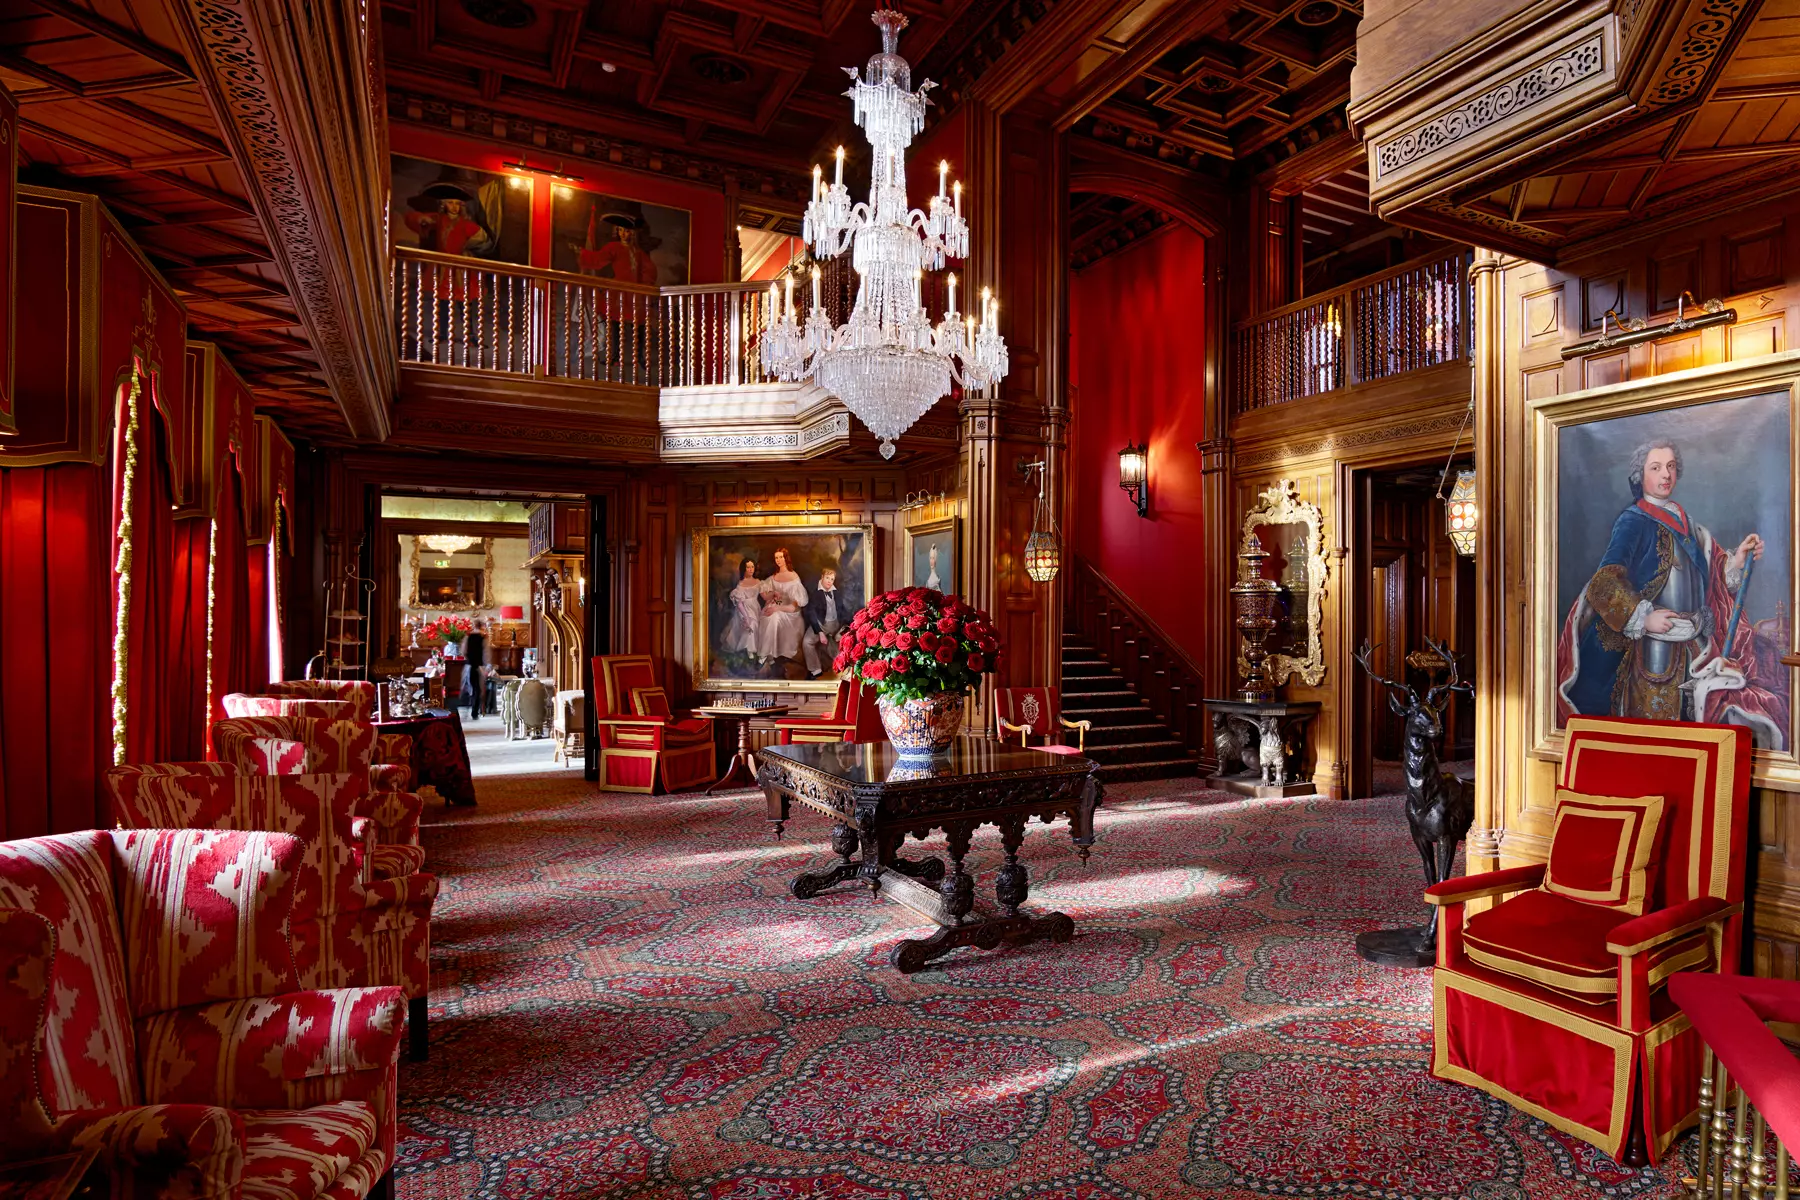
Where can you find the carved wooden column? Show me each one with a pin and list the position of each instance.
(1493, 601)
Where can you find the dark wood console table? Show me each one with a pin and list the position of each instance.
(1261, 745)
(876, 799)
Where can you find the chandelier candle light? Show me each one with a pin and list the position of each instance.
(888, 363)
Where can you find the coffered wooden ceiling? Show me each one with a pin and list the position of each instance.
(108, 104)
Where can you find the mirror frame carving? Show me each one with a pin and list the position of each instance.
(487, 581)
(1280, 504)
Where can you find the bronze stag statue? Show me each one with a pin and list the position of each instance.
(1439, 806)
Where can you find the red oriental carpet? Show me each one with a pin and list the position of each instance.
(627, 1002)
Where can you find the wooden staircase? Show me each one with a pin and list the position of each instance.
(1127, 740)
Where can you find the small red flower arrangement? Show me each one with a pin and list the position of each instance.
(446, 629)
(915, 642)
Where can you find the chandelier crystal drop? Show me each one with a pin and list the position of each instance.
(888, 363)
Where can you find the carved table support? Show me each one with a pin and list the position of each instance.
(1261, 746)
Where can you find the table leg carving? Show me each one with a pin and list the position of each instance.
(870, 866)
(810, 884)
(777, 811)
(958, 887)
(928, 870)
(1011, 886)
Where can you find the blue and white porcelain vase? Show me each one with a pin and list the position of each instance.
(923, 727)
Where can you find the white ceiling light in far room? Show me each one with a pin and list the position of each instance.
(447, 543)
(888, 363)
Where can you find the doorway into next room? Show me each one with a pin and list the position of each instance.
(1413, 586)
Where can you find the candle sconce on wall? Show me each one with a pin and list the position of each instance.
(1134, 476)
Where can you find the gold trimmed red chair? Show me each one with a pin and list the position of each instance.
(643, 744)
(156, 1017)
(352, 925)
(1555, 999)
(853, 718)
(1037, 712)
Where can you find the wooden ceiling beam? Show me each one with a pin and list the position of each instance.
(169, 125)
(188, 158)
(1049, 47)
(1175, 26)
(66, 87)
(119, 36)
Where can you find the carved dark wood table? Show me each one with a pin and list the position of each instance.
(876, 800)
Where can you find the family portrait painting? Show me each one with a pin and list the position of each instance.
(771, 602)
(1673, 566)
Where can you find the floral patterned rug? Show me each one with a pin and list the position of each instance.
(627, 1002)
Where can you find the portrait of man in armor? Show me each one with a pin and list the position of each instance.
(1667, 623)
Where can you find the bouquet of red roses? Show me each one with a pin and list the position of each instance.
(916, 642)
(447, 629)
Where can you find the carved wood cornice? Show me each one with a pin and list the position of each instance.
(296, 88)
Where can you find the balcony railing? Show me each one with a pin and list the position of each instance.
(1749, 1084)
(484, 316)
(1413, 316)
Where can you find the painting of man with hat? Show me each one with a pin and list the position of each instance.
(609, 237)
(459, 210)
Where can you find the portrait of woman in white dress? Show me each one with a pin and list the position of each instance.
(931, 579)
(783, 598)
(746, 610)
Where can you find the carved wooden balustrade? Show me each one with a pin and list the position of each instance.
(1416, 315)
(1157, 670)
(484, 316)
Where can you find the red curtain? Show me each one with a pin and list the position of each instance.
(256, 574)
(56, 655)
(146, 609)
(187, 639)
(232, 636)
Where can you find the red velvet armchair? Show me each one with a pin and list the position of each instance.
(350, 927)
(179, 1043)
(643, 745)
(1037, 712)
(853, 718)
(307, 745)
(1559, 1005)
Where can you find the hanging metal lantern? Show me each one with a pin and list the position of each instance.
(1043, 549)
(1461, 518)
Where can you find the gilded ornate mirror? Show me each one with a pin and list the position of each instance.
(449, 578)
(1292, 531)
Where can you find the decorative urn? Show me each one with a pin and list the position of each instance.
(922, 652)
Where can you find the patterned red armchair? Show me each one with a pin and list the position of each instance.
(853, 718)
(351, 926)
(1554, 999)
(154, 1015)
(307, 745)
(1037, 712)
(358, 693)
(643, 745)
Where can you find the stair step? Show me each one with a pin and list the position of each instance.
(1097, 685)
(1113, 735)
(1174, 768)
(1155, 751)
(1085, 668)
(1105, 718)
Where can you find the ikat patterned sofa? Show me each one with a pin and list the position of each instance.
(308, 745)
(242, 704)
(359, 694)
(352, 926)
(150, 1009)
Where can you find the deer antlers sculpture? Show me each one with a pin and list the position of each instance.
(1439, 806)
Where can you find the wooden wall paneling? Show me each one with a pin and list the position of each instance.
(1751, 261)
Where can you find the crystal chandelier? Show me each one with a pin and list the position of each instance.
(888, 363)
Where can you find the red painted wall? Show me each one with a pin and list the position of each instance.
(1136, 375)
(706, 235)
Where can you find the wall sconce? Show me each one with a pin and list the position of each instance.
(1134, 476)
(1461, 518)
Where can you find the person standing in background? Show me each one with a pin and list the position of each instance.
(475, 668)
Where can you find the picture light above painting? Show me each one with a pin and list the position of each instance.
(473, 213)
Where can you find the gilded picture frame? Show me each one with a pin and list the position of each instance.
(753, 630)
(1296, 561)
(487, 582)
(946, 535)
(1718, 446)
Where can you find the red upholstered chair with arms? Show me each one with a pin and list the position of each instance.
(358, 693)
(350, 927)
(1555, 998)
(180, 1044)
(306, 745)
(642, 749)
(1037, 712)
(853, 718)
(241, 704)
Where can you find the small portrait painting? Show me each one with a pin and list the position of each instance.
(1674, 565)
(932, 555)
(771, 602)
(459, 210)
(609, 237)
